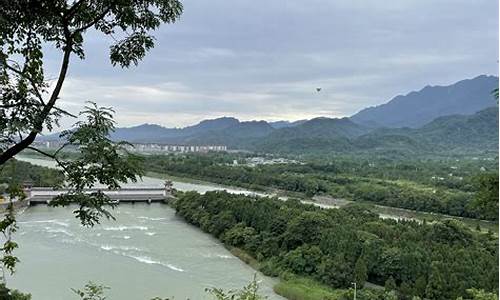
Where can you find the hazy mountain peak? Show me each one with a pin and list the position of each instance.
(146, 126)
(420, 107)
(286, 124)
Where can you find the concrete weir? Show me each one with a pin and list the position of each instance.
(38, 196)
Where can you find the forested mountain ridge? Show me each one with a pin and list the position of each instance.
(143, 133)
(147, 133)
(458, 133)
(450, 133)
(285, 124)
(313, 135)
(420, 107)
(235, 136)
(325, 128)
(152, 133)
(459, 117)
(477, 132)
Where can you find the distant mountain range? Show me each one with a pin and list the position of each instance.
(459, 117)
(455, 133)
(221, 131)
(150, 133)
(418, 108)
(449, 134)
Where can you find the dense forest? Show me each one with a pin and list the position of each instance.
(19, 172)
(442, 260)
(447, 186)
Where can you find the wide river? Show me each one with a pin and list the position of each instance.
(147, 252)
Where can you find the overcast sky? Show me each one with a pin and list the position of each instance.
(264, 59)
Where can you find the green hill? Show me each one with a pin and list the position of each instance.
(456, 133)
(477, 131)
(317, 135)
(418, 108)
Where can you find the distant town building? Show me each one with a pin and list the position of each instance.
(148, 147)
(155, 148)
(255, 161)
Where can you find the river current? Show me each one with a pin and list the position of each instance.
(146, 252)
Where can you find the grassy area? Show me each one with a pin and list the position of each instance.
(300, 288)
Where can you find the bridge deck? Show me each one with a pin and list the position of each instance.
(127, 195)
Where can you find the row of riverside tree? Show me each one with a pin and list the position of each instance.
(340, 246)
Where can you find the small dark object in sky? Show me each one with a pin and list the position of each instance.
(318, 89)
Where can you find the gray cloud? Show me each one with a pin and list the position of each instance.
(264, 59)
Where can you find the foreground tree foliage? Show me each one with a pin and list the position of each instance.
(249, 292)
(28, 106)
(93, 291)
(7, 294)
(340, 246)
(26, 26)
(14, 172)
(99, 161)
